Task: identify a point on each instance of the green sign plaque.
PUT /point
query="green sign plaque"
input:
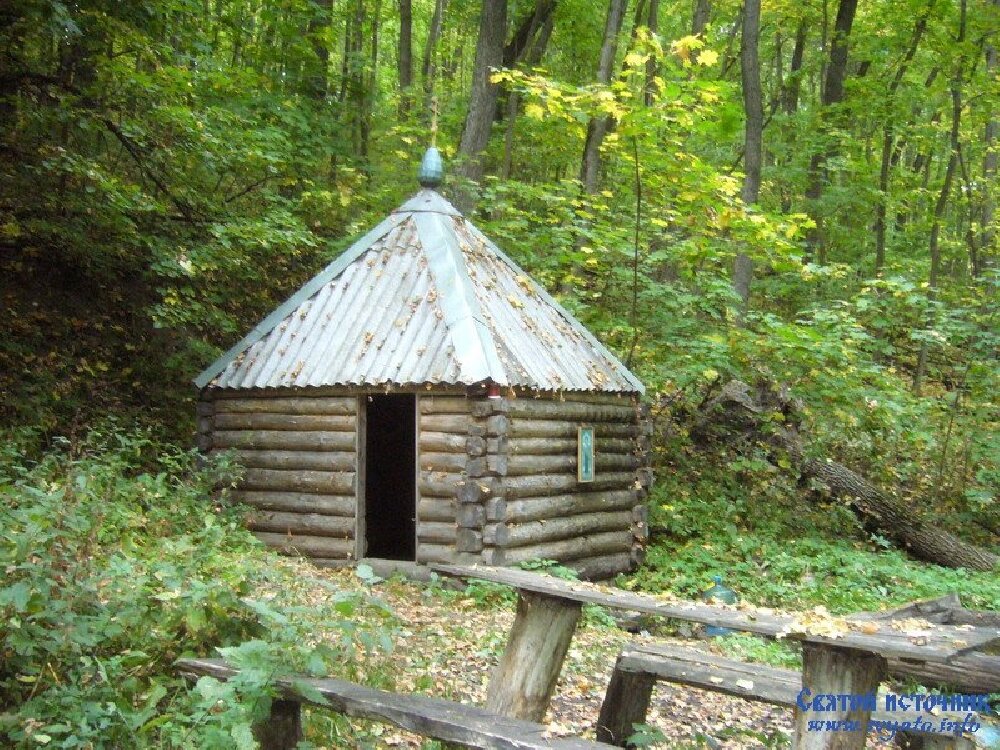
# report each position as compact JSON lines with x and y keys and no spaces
{"x":585,"y":454}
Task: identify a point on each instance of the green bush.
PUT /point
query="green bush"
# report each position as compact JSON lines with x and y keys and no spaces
{"x":116,"y":561}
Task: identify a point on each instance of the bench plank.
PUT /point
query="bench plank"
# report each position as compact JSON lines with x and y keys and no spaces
{"x":429,"y":717}
{"x":939,"y":643}
{"x":755,"y":682}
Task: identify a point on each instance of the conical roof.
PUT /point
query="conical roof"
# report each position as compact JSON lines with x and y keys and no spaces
{"x":422,"y":298}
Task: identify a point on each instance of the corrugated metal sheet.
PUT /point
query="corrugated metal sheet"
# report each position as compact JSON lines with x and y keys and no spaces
{"x":423,"y":298}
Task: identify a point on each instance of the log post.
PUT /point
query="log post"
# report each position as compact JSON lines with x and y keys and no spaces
{"x":625,"y":705}
{"x":282,"y":729}
{"x":526,"y":676}
{"x":835,"y":671}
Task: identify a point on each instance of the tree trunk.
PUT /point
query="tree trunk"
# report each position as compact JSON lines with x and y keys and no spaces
{"x":753,"y":108}
{"x":701,"y":16}
{"x":653,"y":24}
{"x":954,"y":146}
{"x":737,"y":408}
{"x":518,"y":47}
{"x":405,"y":54}
{"x":532,"y":56}
{"x":598,"y":127}
{"x":318,"y":25}
{"x":833,"y":93}
{"x":483,"y":98}
{"x":429,"y":67}
{"x":888,"y":141}
{"x":988,"y":249}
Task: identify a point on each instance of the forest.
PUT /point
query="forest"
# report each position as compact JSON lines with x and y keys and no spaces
{"x":782,"y":216}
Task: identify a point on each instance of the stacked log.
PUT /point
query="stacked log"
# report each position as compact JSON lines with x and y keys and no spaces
{"x":441,"y":459}
{"x":535,"y":506}
{"x":299,"y":455}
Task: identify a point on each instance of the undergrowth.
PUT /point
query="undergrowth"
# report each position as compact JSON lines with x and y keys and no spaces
{"x":116,"y":562}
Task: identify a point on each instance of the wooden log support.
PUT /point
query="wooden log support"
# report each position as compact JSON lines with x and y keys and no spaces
{"x":282,"y":729}
{"x":487,"y":466}
{"x":456,"y":424}
{"x":556,"y":506}
{"x":320,"y":482}
{"x":445,"y":404}
{"x":534,"y":486}
{"x":469,"y":540}
{"x":471,"y":516}
{"x":502,"y":425}
{"x":206,"y":425}
{"x":440,"y":484}
{"x":477,"y":490}
{"x":524,"y":680}
{"x":342,"y":405}
{"x":316,"y":460}
{"x":314,"y":524}
{"x":831,"y":670}
{"x":435,"y":553}
{"x":284,"y":440}
{"x":436,"y":509}
{"x":528,"y":465}
{"x":529,"y":446}
{"x":273,"y":421}
{"x":566,"y":527}
{"x":298,"y":502}
{"x":601,"y":567}
{"x":608,"y":542}
{"x":308,"y":546}
{"x":553,"y":409}
{"x":443,"y":442}
{"x":436,"y":532}
{"x":444,"y":462}
{"x":625,"y":705}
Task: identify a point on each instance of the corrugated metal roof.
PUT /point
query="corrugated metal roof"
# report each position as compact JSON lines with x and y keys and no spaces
{"x":422,"y":298}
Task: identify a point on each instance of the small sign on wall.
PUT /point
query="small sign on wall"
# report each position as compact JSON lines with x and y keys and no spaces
{"x":585,"y":454}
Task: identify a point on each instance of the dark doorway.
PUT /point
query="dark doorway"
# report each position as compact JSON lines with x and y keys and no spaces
{"x":391,"y":477}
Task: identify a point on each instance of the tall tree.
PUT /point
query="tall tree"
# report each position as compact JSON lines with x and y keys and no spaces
{"x":937,"y":216}
{"x":888,"y":140}
{"x":428,"y":69}
{"x":988,"y":249}
{"x":404,"y":56}
{"x":701,"y":16}
{"x":832,"y":95}
{"x":598,"y":126}
{"x":753,"y":107}
{"x":483,"y":98}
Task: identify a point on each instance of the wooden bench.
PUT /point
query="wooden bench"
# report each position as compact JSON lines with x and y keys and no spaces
{"x":640,"y":666}
{"x":853,"y":660}
{"x":457,"y":723}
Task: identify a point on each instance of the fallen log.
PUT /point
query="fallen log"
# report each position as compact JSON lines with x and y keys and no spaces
{"x":738,"y":407}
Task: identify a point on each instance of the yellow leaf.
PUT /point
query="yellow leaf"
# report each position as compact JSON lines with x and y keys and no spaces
{"x":535,"y":111}
{"x":708,"y":57}
{"x":634,"y":59}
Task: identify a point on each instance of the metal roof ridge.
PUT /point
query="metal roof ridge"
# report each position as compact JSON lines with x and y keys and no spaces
{"x":472,"y":340}
{"x":569,"y":317}
{"x":311,"y":287}
{"x":427,"y":200}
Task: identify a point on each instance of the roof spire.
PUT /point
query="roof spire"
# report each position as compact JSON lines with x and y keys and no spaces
{"x":431,"y":169}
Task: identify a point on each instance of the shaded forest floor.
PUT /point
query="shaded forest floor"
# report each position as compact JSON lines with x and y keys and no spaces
{"x":447,"y":642}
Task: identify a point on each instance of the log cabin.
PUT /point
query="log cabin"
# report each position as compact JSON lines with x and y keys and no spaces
{"x":423,"y":399}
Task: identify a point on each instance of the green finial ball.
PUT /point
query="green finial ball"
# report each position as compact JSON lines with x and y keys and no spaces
{"x":431,"y":169}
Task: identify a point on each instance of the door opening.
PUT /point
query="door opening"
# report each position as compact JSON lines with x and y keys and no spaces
{"x":391,"y":476}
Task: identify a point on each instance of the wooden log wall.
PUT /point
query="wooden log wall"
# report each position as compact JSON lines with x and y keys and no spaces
{"x":300,"y":458}
{"x":526,"y":482}
{"x":442,"y":459}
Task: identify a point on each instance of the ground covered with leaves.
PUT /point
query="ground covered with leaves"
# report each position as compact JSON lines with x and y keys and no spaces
{"x":448,"y":638}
